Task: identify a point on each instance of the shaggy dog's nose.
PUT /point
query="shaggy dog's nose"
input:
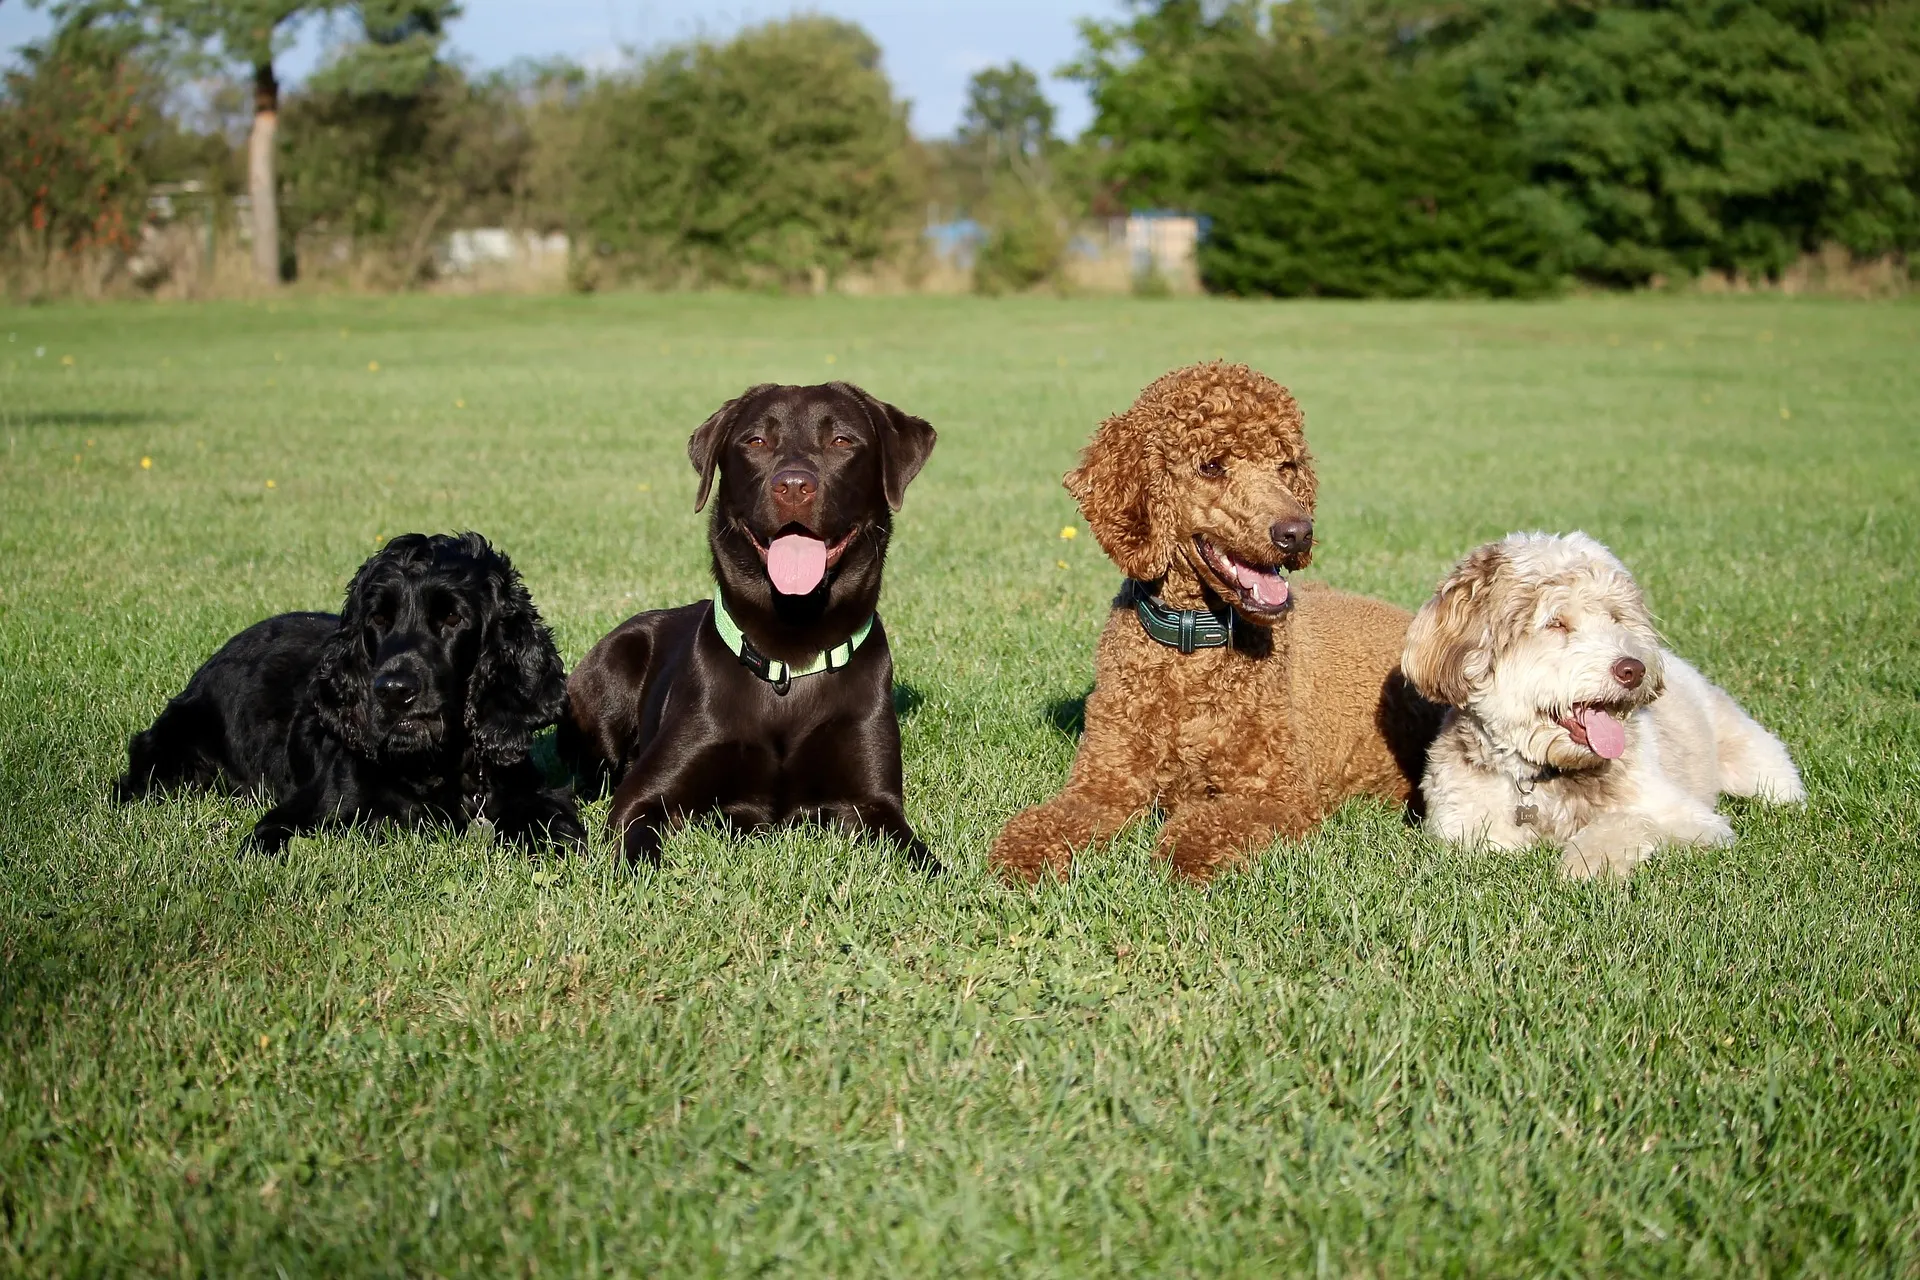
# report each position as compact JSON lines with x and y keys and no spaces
{"x":396,"y":689}
{"x":1292,"y":536}
{"x":1630,"y":672}
{"x":794,"y":487}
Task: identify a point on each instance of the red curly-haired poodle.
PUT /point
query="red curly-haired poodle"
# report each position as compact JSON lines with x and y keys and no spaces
{"x":1243,"y":706}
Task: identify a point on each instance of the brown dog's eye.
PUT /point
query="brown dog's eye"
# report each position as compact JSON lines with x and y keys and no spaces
{"x":1213,"y":468}
{"x":1287,"y":469}
{"x":755,"y":441}
{"x":841,"y":440}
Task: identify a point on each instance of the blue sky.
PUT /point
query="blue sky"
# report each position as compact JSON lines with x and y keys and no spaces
{"x":931,"y":46}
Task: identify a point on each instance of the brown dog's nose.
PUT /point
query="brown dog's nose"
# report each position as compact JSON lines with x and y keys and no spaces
{"x":1630,"y":672}
{"x":1292,"y":536}
{"x":794,"y":487}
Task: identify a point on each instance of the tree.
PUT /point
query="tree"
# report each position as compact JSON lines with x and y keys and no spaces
{"x":776,"y":157}
{"x":1006,"y":141}
{"x":253,"y":33}
{"x":1008,"y":122}
{"x":75,"y":117}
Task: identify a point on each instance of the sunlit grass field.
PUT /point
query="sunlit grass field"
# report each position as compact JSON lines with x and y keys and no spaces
{"x":791,"y":1054}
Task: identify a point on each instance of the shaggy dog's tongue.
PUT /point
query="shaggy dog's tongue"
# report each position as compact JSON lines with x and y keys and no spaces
{"x":796,"y":563}
{"x":1598,"y":732}
{"x":1268,"y":588}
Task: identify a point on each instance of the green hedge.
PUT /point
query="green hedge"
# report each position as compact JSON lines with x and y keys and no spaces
{"x":1505,"y":146}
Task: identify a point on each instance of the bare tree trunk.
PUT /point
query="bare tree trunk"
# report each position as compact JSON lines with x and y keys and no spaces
{"x":266,"y":212}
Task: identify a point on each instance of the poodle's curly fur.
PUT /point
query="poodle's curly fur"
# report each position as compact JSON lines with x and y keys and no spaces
{"x":1239,"y":744}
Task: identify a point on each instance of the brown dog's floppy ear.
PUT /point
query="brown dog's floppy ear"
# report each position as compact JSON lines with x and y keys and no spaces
{"x":905,"y":442}
{"x":1450,"y":643}
{"x":1112,"y":484}
{"x":704,"y":445}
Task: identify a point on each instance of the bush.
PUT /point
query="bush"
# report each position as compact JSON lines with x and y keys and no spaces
{"x":1496,"y":147}
{"x":771,"y":158}
{"x":394,"y":170}
{"x":76,"y":119}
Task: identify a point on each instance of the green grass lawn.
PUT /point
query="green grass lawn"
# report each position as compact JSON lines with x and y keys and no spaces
{"x":790,"y":1053}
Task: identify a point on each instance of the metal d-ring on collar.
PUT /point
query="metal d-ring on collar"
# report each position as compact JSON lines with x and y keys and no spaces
{"x":772,"y":670}
{"x":1182,"y":629}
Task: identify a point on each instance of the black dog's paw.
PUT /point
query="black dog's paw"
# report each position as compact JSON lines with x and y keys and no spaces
{"x":640,"y":845}
{"x":268,"y":838}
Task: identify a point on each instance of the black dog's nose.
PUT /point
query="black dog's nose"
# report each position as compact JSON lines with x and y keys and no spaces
{"x":1292,"y":536}
{"x":1630,"y":672}
{"x":396,"y":689}
{"x":794,"y":487}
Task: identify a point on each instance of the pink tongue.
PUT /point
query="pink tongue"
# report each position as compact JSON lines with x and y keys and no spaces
{"x":796,"y":563}
{"x":1606,"y":737}
{"x":1269,"y":590}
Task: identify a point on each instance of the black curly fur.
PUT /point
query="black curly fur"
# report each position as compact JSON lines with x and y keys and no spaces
{"x":289,"y":707}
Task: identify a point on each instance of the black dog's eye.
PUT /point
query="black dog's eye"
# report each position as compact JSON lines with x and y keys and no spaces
{"x":381,"y":620}
{"x":1213,"y":468}
{"x":449,"y":620}
{"x":755,"y":440}
{"x":841,"y":440}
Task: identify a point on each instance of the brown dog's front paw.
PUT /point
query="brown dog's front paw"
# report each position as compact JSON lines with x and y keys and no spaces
{"x":1201,"y":844}
{"x":1033,"y":844}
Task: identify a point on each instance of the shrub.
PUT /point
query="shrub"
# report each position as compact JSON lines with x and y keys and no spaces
{"x":768,"y":159}
{"x":1496,"y":146}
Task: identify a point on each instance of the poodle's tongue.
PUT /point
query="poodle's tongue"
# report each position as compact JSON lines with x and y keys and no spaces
{"x":1605,"y":736}
{"x":796,"y":563}
{"x":1267,"y":587}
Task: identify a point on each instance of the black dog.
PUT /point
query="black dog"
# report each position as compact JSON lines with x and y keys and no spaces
{"x":418,"y":704}
{"x":776,"y":703}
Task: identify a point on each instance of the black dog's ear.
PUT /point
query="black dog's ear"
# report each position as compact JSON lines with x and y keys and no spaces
{"x":705,"y":444}
{"x":340,"y":681}
{"x":518,"y":685}
{"x":905,"y":443}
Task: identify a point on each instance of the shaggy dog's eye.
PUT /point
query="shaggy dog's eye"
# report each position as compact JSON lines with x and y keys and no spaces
{"x":1558,"y":624}
{"x":1287,"y":469}
{"x":1213,"y":468}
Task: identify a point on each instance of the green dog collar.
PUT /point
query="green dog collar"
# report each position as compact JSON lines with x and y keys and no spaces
{"x":772,"y":670}
{"x":1182,"y":629}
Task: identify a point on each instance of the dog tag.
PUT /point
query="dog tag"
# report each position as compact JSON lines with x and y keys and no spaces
{"x":1525,"y":814}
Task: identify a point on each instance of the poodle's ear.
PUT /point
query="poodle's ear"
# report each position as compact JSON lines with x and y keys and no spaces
{"x":710,"y":437}
{"x":1449,"y":647}
{"x":905,"y":443}
{"x":518,"y":685}
{"x":1114,"y":486}
{"x":342,"y":680}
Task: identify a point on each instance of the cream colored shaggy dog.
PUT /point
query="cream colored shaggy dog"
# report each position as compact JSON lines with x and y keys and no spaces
{"x":1569,"y":722}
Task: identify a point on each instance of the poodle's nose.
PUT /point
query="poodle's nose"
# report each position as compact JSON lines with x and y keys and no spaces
{"x":1292,"y":536}
{"x":794,"y":487}
{"x":396,"y":689}
{"x":1630,"y":672}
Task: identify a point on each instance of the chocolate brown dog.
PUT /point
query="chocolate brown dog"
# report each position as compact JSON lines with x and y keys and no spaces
{"x":772,"y":702}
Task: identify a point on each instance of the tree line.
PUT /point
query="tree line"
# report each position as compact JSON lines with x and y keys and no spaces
{"x":1337,"y":147}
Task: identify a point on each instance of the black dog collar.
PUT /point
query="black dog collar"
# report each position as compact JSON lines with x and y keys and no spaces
{"x":1182,"y":629}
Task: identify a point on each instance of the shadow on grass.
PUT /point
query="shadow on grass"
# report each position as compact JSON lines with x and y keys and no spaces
{"x":1069,"y":715}
{"x":907,"y":700}
{"x":85,"y":418}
